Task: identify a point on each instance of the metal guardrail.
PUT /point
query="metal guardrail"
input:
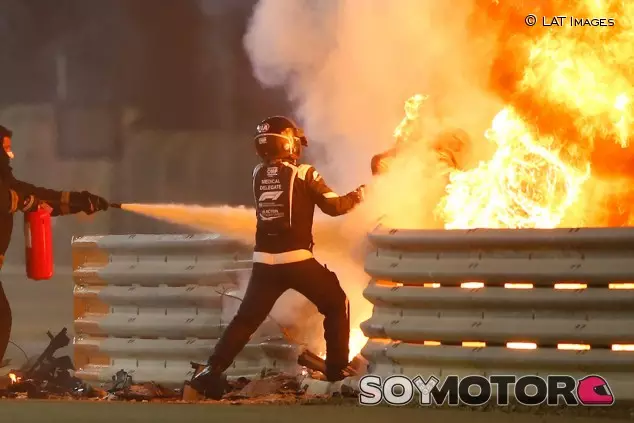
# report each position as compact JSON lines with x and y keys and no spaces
{"x":151,"y":304}
{"x":519,"y":302}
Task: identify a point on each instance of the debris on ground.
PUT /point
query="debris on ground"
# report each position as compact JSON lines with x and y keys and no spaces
{"x":48,"y":375}
{"x":275,"y":386}
{"x":315,"y":363}
{"x":278,"y":384}
{"x":123,"y":387}
{"x":120,"y":382}
{"x":143,"y":392}
{"x":52,"y":377}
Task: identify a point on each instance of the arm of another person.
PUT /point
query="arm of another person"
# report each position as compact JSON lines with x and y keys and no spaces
{"x":326,"y":199}
{"x":62,"y":202}
{"x":12,"y":201}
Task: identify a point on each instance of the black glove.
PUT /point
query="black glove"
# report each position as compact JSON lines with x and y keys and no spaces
{"x":87,"y":202}
{"x":359,"y":194}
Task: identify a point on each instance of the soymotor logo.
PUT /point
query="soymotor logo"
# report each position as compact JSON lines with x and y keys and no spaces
{"x":476,"y":390}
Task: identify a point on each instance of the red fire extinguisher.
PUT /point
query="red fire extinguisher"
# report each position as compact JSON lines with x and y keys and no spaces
{"x":38,"y":240}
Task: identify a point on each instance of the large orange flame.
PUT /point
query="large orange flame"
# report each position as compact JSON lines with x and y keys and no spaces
{"x":567,"y":127}
{"x":562,"y":151}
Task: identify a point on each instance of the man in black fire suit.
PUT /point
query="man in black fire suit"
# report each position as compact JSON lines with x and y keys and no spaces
{"x":15,"y":196}
{"x":285,"y":195}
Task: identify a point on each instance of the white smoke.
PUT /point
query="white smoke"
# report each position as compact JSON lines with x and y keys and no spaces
{"x":348,"y":66}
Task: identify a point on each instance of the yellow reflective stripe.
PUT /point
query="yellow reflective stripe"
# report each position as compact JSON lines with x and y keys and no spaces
{"x":303,"y":171}
{"x":282,"y":258}
{"x":27,"y":206}
{"x":331,"y":195}
{"x":14,"y":201}
{"x":64,"y":206}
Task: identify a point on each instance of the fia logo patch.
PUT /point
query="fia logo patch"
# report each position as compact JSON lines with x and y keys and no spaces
{"x":271,"y":171}
{"x":270,"y":195}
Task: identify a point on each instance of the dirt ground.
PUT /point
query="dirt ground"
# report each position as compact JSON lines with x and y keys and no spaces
{"x":93,"y":412}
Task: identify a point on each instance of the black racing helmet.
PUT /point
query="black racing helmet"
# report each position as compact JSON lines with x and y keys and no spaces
{"x":5,"y":132}
{"x":278,"y":137}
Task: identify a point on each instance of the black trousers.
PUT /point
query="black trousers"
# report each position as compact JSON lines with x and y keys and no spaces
{"x":268,"y":282}
{"x":5,"y":322}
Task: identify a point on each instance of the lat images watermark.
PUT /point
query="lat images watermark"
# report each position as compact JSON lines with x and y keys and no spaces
{"x":476,"y":390}
{"x":569,"y":21}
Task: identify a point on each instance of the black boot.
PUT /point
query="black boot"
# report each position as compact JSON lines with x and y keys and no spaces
{"x":210,"y":383}
{"x":336,"y":373}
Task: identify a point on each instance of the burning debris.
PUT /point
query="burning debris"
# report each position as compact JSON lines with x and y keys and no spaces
{"x":48,"y":375}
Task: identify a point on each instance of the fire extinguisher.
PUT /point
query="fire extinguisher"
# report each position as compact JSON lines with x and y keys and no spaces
{"x":38,"y":240}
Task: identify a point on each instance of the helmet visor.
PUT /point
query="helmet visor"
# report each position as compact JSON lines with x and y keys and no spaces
{"x":273,"y":146}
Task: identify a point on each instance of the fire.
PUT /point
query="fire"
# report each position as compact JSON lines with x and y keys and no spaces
{"x":14,"y":378}
{"x":565,"y":130}
{"x":521,"y":345}
{"x":574,"y":347}
{"x":407,"y":128}
{"x":472,"y":285}
{"x":568,"y":118}
{"x":572,"y":286}
{"x":622,"y":347}
{"x":357,"y":342}
{"x":526,"y":184}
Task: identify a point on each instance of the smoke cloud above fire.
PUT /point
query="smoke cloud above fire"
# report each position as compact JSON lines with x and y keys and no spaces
{"x":348,"y":67}
{"x":557,"y":101}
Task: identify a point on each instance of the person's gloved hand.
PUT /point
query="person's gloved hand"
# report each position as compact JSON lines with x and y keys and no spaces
{"x":87,"y":202}
{"x":359,"y":193}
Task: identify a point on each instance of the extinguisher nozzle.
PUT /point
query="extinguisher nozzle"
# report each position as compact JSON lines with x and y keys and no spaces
{"x":115,"y":205}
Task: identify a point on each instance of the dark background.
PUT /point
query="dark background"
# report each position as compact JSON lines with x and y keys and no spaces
{"x":137,"y":100}
{"x":166,"y":58}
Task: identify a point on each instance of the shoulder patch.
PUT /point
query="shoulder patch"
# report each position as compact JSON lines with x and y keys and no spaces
{"x":289,"y":165}
{"x":316,"y":176}
{"x":303,"y":171}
